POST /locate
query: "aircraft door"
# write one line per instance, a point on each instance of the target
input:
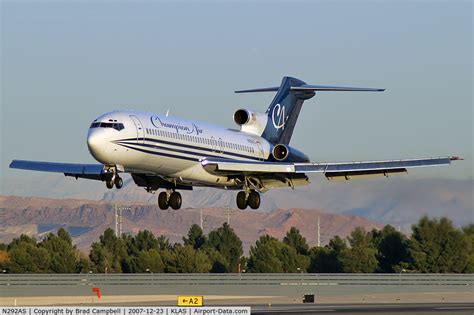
(139, 128)
(213, 144)
(261, 155)
(221, 145)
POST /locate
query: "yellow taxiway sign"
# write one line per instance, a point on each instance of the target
(187, 300)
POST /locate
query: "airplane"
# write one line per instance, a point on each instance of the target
(173, 154)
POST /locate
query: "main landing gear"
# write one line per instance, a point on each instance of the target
(168, 199)
(251, 198)
(114, 181)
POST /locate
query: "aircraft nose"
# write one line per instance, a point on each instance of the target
(96, 144)
(93, 141)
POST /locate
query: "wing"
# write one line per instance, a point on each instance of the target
(345, 170)
(89, 171)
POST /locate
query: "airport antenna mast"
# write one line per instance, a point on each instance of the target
(119, 219)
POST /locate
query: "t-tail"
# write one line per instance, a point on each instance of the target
(285, 107)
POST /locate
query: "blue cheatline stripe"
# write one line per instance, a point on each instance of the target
(191, 147)
(161, 153)
(184, 151)
(178, 150)
(185, 146)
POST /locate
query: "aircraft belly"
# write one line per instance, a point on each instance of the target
(196, 173)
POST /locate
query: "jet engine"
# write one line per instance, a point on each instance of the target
(251, 122)
(282, 152)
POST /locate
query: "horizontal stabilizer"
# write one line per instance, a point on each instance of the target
(308, 87)
(269, 89)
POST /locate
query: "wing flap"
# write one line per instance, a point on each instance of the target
(364, 174)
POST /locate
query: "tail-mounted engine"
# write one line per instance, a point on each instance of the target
(251, 122)
(282, 152)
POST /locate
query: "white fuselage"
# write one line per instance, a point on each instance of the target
(170, 147)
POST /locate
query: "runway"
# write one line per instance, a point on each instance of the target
(372, 309)
(359, 309)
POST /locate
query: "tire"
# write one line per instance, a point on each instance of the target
(118, 182)
(109, 184)
(241, 200)
(163, 200)
(254, 200)
(175, 200)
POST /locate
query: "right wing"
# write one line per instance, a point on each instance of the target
(330, 170)
(89, 171)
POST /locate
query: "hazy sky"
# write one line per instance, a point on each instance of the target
(65, 63)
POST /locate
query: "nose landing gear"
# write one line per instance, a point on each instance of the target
(245, 199)
(168, 199)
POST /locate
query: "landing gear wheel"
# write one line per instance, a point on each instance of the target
(241, 200)
(163, 200)
(254, 200)
(118, 182)
(175, 200)
(109, 184)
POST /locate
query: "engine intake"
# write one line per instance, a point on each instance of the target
(280, 152)
(283, 152)
(242, 117)
(251, 122)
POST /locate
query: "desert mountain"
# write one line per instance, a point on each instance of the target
(399, 201)
(86, 220)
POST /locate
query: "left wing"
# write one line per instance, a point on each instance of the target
(344, 170)
(89, 171)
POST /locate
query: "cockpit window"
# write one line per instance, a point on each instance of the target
(116, 126)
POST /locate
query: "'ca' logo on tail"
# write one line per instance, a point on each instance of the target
(278, 116)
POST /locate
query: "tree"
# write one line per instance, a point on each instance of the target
(186, 259)
(62, 253)
(84, 264)
(144, 241)
(218, 262)
(328, 258)
(163, 243)
(109, 253)
(263, 256)
(27, 257)
(437, 247)
(228, 244)
(392, 249)
(4, 259)
(294, 239)
(468, 234)
(151, 260)
(468, 229)
(323, 259)
(272, 255)
(143, 253)
(361, 256)
(196, 237)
